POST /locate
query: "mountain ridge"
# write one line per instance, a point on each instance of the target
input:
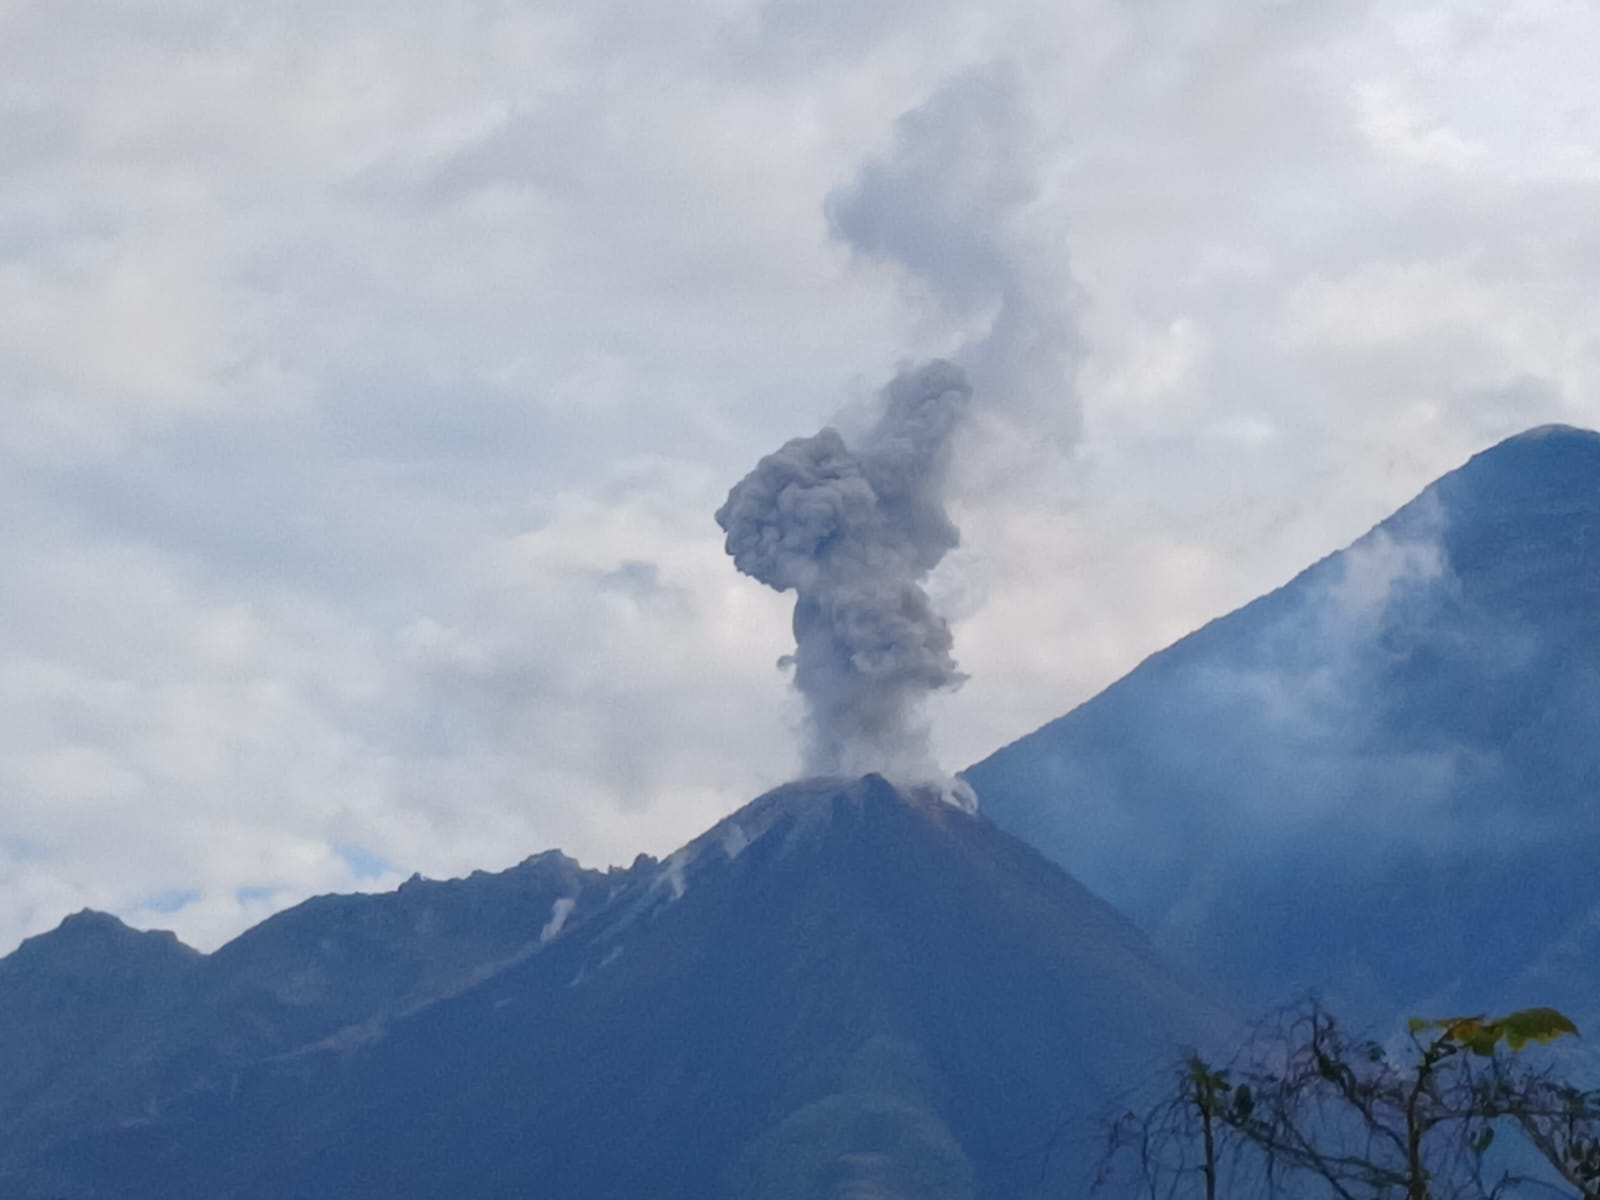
(1402, 727)
(1377, 780)
(864, 986)
(88, 1040)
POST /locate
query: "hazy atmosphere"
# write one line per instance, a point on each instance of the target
(372, 373)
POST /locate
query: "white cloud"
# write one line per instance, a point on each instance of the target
(1395, 125)
(369, 374)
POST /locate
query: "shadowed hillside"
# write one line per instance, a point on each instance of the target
(1383, 779)
(842, 990)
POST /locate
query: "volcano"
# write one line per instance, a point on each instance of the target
(844, 989)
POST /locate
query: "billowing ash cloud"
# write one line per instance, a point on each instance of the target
(853, 531)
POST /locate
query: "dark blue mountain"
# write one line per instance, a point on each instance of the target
(1382, 780)
(843, 990)
(100, 1024)
(1379, 781)
(66, 995)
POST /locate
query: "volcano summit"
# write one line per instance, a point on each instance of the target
(843, 989)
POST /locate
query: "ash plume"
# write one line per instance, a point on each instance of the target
(951, 206)
(955, 206)
(854, 531)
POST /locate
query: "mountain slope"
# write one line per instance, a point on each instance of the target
(842, 990)
(1381, 779)
(66, 995)
(101, 1024)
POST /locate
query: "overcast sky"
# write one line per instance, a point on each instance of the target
(370, 372)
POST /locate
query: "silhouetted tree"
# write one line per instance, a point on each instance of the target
(1308, 1110)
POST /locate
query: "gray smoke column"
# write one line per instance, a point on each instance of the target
(854, 531)
(952, 209)
(953, 205)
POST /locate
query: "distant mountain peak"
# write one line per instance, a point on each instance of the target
(807, 808)
(1545, 464)
(89, 934)
(1557, 431)
(93, 921)
(825, 793)
(803, 819)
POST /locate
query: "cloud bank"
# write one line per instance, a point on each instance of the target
(369, 372)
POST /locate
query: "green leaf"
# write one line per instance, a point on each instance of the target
(1463, 1029)
(1482, 1040)
(1468, 1032)
(1534, 1025)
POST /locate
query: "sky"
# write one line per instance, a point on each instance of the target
(370, 374)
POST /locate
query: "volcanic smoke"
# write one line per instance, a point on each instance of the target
(854, 531)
